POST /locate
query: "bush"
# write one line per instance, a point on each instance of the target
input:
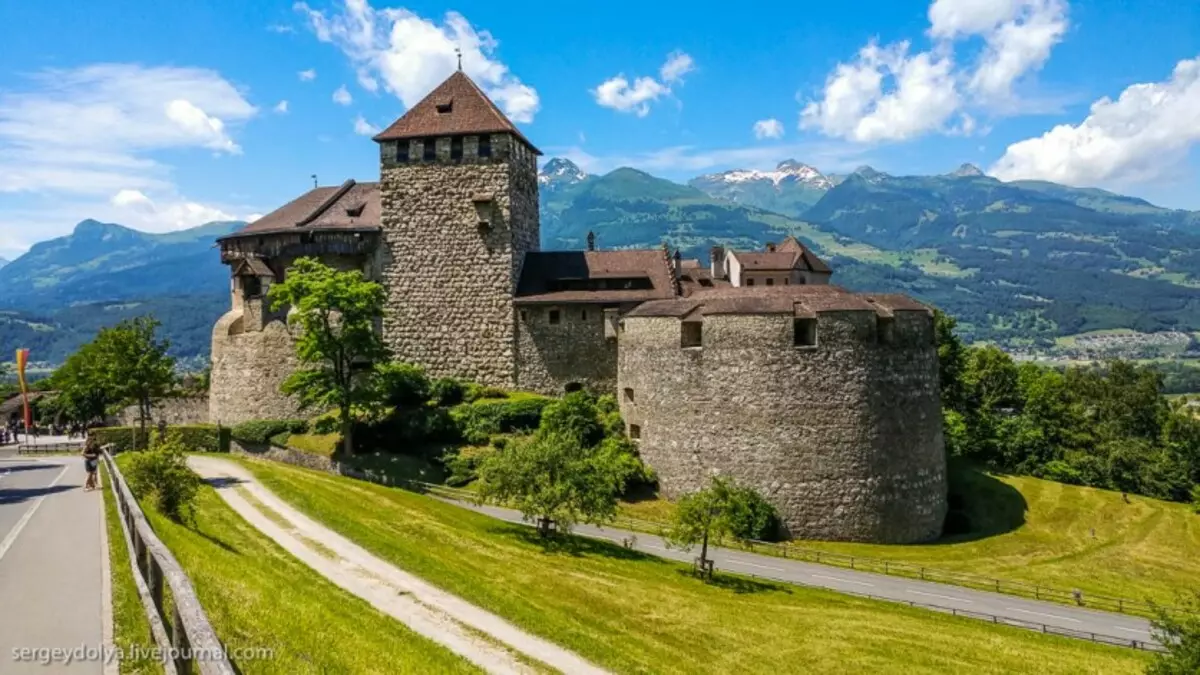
(1060, 471)
(462, 465)
(477, 422)
(281, 439)
(446, 392)
(402, 385)
(477, 392)
(261, 431)
(755, 518)
(317, 444)
(1196, 497)
(161, 476)
(574, 415)
(195, 437)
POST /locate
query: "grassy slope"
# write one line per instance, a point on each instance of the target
(636, 613)
(131, 629)
(1147, 549)
(258, 596)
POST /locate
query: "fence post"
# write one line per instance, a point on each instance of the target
(885, 567)
(183, 661)
(997, 585)
(922, 574)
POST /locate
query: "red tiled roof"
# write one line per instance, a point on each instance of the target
(350, 206)
(789, 255)
(456, 107)
(543, 268)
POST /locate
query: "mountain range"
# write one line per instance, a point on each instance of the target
(1018, 263)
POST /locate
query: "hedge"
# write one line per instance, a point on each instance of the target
(477, 422)
(261, 431)
(199, 437)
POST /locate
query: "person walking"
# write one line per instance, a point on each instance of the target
(91, 462)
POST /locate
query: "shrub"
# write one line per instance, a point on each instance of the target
(161, 477)
(1196, 497)
(476, 392)
(574, 415)
(317, 444)
(1060, 471)
(610, 415)
(261, 431)
(195, 437)
(447, 391)
(462, 465)
(281, 439)
(754, 517)
(402, 385)
(479, 421)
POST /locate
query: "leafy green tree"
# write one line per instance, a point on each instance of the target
(554, 478)
(338, 346)
(1180, 634)
(952, 359)
(84, 395)
(723, 509)
(574, 415)
(132, 364)
(162, 477)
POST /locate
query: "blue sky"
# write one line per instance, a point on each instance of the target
(169, 114)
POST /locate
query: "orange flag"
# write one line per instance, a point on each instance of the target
(22, 361)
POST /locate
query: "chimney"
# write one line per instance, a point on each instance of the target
(770, 247)
(677, 272)
(591, 241)
(717, 257)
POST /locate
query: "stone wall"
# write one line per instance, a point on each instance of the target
(179, 410)
(844, 438)
(573, 351)
(450, 281)
(248, 367)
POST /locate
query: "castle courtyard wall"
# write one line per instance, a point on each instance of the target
(575, 351)
(248, 368)
(844, 438)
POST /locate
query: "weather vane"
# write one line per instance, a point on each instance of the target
(458, 52)
(314, 177)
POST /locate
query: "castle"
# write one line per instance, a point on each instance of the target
(752, 364)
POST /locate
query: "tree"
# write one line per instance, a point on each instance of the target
(951, 360)
(162, 477)
(83, 394)
(132, 365)
(1180, 634)
(723, 509)
(338, 346)
(554, 478)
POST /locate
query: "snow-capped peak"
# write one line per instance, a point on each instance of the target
(787, 170)
(559, 170)
(966, 170)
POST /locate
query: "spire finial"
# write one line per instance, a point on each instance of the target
(314, 177)
(458, 52)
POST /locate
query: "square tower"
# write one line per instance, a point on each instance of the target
(459, 197)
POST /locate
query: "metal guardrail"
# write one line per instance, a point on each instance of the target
(46, 448)
(187, 637)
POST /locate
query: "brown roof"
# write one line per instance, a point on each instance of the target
(543, 268)
(350, 206)
(15, 403)
(789, 255)
(456, 107)
(800, 300)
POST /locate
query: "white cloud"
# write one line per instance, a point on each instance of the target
(678, 64)
(1141, 136)
(307, 75)
(342, 97)
(635, 97)
(364, 128)
(887, 93)
(768, 128)
(411, 54)
(856, 106)
(281, 107)
(84, 142)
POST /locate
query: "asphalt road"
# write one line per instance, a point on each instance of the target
(52, 566)
(1014, 610)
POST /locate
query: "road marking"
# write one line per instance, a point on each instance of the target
(765, 567)
(1134, 630)
(12, 535)
(935, 595)
(1052, 616)
(845, 581)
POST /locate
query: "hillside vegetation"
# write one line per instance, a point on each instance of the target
(636, 613)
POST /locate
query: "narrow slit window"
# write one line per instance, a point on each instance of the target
(786, 281)
(804, 332)
(554, 316)
(635, 431)
(456, 145)
(629, 394)
(690, 334)
(583, 315)
(430, 149)
(885, 329)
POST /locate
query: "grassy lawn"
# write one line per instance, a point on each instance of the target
(131, 629)
(635, 613)
(1040, 532)
(258, 596)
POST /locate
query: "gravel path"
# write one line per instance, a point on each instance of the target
(427, 610)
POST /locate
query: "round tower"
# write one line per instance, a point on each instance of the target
(826, 402)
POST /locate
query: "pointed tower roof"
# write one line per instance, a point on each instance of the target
(456, 107)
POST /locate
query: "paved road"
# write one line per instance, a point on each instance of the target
(1015, 609)
(53, 563)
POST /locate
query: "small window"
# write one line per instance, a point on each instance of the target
(572, 387)
(252, 286)
(485, 146)
(786, 281)
(803, 280)
(456, 147)
(583, 315)
(635, 431)
(749, 282)
(629, 394)
(524, 315)
(770, 281)
(804, 332)
(402, 151)
(690, 333)
(445, 107)
(430, 149)
(554, 316)
(885, 329)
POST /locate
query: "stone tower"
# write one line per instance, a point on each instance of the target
(459, 197)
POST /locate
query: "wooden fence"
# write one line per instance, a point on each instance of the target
(186, 636)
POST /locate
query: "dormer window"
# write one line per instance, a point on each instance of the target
(445, 107)
(356, 210)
